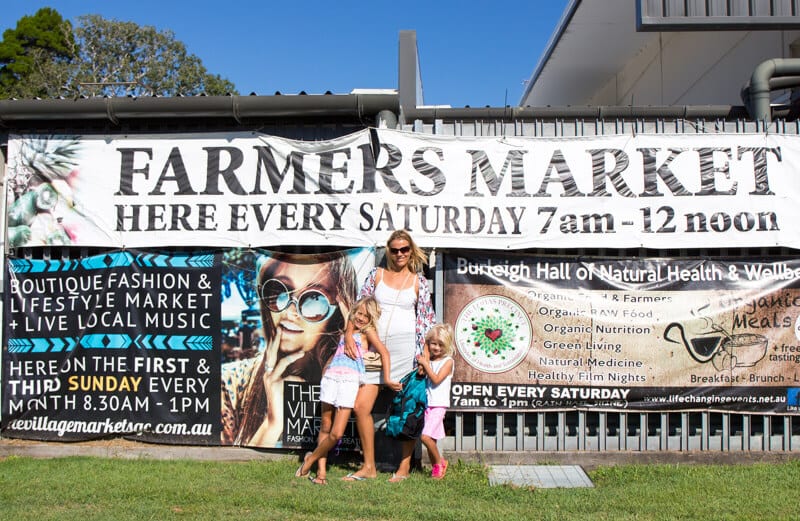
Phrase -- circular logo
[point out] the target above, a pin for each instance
(797, 327)
(493, 333)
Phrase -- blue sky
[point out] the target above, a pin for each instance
(474, 53)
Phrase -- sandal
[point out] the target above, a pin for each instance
(319, 480)
(307, 473)
(354, 477)
(397, 478)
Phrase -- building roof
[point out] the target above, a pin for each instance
(594, 40)
(591, 42)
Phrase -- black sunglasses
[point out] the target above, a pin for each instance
(403, 250)
(312, 305)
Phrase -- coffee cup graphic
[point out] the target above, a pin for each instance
(714, 345)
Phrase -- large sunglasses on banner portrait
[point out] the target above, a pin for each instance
(312, 305)
(493, 333)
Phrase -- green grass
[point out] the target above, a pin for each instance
(82, 488)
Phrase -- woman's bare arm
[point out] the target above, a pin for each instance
(386, 362)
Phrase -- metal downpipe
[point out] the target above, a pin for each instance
(760, 84)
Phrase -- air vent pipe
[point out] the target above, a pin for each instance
(756, 97)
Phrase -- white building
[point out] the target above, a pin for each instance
(663, 53)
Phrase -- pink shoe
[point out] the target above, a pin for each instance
(436, 471)
(442, 468)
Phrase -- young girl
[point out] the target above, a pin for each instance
(340, 382)
(438, 367)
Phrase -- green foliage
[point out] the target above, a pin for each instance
(35, 54)
(93, 488)
(45, 57)
(122, 58)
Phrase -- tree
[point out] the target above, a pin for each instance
(34, 56)
(123, 58)
(45, 57)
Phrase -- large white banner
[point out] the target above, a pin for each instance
(248, 189)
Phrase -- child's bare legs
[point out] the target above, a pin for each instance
(328, 442)
(433, 450)
(404, 469)
(365, 400)
(325, 425)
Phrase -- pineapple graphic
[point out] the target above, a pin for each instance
(38, 188)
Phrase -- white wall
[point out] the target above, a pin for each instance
(694, 68)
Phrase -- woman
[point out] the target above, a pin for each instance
(406, 316)
(303, 301)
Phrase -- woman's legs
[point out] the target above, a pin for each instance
(404, 469)
(365, 400)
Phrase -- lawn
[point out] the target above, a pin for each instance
(84, 488)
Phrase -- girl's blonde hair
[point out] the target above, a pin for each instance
(371, 308)
(416, 259)
(444, 334)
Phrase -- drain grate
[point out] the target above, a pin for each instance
(539, 476)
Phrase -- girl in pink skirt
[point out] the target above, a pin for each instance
(438, 367)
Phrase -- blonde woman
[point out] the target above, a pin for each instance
(403, 294)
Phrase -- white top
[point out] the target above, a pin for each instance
(396, 326)
(439, 395)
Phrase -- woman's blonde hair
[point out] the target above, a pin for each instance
(371, 308)
(416, 259)
(444, 334)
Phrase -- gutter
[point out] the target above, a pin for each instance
(569, 112)
(374, 109)
(118, 109)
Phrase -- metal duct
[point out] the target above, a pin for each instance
(760, 85)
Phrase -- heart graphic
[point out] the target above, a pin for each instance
(493, 334)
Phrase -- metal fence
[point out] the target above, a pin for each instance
(601, 431)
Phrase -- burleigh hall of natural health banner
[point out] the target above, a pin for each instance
(624, 334)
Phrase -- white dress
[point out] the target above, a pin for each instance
(398, 312)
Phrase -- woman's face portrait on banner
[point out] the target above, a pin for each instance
(301, 299)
